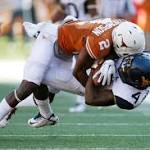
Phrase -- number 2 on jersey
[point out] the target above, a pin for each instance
(104, 44)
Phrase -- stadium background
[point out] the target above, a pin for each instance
(97, 128)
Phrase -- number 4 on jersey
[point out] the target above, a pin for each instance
(136, 96)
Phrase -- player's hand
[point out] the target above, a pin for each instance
(106, 72)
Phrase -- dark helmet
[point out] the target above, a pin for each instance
(135, 70)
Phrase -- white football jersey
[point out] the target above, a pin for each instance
(127, 92)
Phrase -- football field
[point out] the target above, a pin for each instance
(95, 129)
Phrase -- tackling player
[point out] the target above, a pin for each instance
(90, 40)
(97, 39)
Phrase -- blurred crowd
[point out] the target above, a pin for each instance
(14, 12)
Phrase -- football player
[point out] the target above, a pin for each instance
(85, 10)
(129, 88)
(96, 39)
(89, 40)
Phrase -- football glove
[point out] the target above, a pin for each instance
(106, 73)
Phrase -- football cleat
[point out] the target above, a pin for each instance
(5, 120)
(40, 121)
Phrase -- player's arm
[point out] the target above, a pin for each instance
(98, 95)
(59, 14)
(83, 63)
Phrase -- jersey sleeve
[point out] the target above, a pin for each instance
(98, 47)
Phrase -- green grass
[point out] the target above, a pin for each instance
(95, 129)
(17, 49)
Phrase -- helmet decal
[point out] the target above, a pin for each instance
(128, 38)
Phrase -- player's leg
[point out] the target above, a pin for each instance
(12, 99)
(60, 78)
(38, 120)
(45, 115)
(40, 60)
(35, 69)
(9, 103)
(41, 95)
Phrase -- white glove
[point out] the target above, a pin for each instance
(106, 72)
